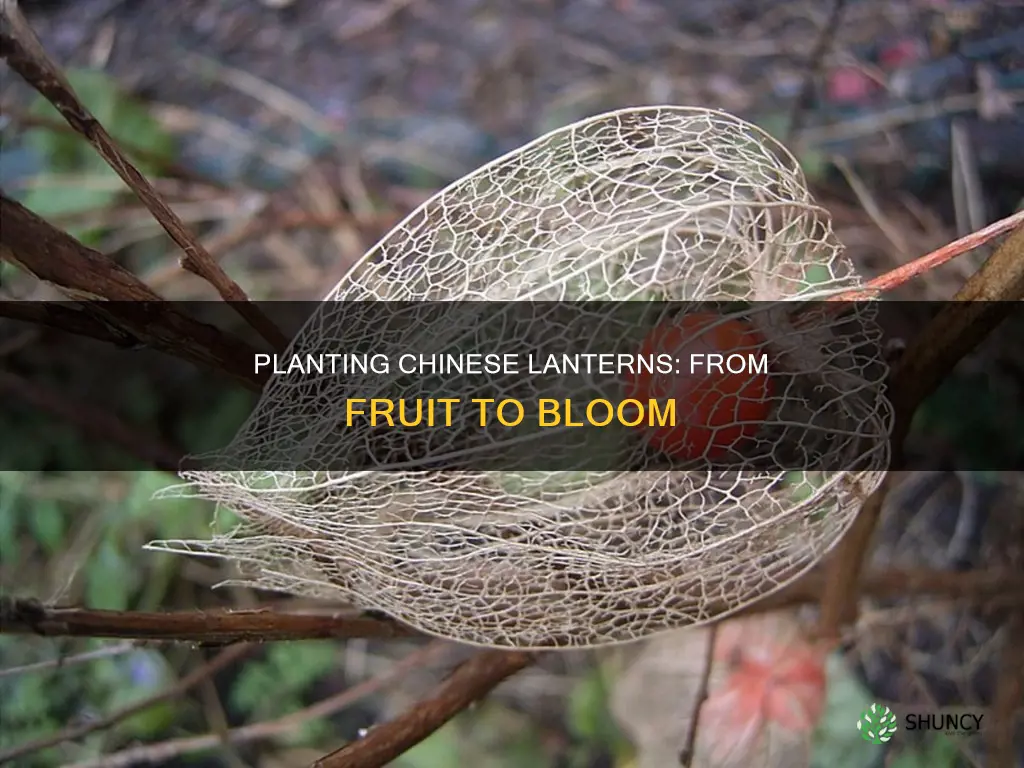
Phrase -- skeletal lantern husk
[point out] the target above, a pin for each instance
(658, 203)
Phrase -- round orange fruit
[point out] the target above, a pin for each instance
(717, 407)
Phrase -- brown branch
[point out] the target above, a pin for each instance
(113, 303)
(229, 626)
(213, 626)
(218, 662)
(839, 597)
(470, 682)
(979, 307)
(164, 752)
(55, 257)
(985, 301)
(26, 56)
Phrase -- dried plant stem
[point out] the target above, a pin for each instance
(114, 305)
(470, 682)
(213, 626)
(229, 626)
(689, 748)
(66, 661)
(930, 261)
(983, 303)
(26, 56)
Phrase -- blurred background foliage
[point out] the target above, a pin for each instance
(95, 186)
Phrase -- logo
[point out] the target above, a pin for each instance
(951, 724)
(877, 724)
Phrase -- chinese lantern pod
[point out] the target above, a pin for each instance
(658, 204)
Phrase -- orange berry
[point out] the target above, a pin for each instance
(715, 409)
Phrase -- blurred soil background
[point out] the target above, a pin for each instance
(292, 134)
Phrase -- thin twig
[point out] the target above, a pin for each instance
(871, 206)
(66, 661)
(218, 662)
(690, 746)
(163, 752)
(875, 123)
(262, 224)
(815, 65)
(930, 261)
(26, 56)
(470, 682)
(374, 18)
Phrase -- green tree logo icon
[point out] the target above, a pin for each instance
(877, 724)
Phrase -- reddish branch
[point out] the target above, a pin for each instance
(930, 261)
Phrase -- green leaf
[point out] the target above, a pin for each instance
(803, 485)
(250, 692)
(587, 708)
(815, 164)
(837, 742)
(288, 670)
(109, 579)
(440, 750)
(65, 199)
(300, 664)
(939, 752)
(817, 274)
(126, 119)
(10, 492)
(65, 153)
(46, 521)
(589, 717)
